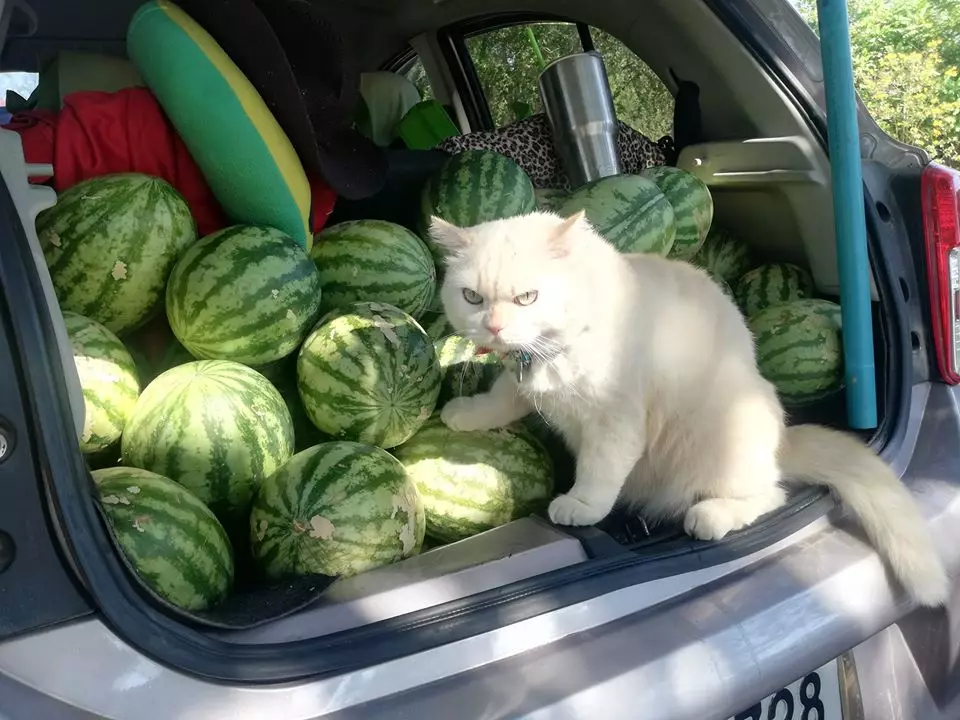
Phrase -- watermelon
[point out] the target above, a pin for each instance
(336, 509)
(724, 255)
(246, 293)
(549, 199)
(108, 377)
(110, 243)
(464, 372)
(368, 373)
(772, 284)
(434, 319)
(800, 349)
(692, 206)
(377, 261)
(475, 481)
(473, 187)
(170, 539)
(216, 427)
(628, 210)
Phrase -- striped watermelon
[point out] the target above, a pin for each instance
(216, 427)
(724, 255)
(368, 373)
(377, 261)
(245, 293)
(110, 243)
(434, 319)
(475, 481)
(692, 206)
(473, 187)
(800, 349)
(549, 199)
(464, 372)
(336, 509)
(772, 284)
(171, 539)
(628, 210)
(108, 377)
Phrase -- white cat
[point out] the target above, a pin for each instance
(649, 372)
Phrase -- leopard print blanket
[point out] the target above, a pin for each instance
(529, 143)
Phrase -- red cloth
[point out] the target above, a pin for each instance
(98, 133)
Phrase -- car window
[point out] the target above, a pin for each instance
(508, 62)
(22, 83)
(413, 70)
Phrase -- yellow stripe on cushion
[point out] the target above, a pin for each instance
(277, 142)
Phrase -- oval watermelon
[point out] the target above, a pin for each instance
(800, 349)
(368, 373)
(772, 284)
(628, 210)
(724, 255)
(170, 539)
(111, 242)
(475, 481)
(216, 427)
(336, 509)
(108, 377)
(245, 293)
(692, 206)
(464, 372)
(374, 260)
(473, 187)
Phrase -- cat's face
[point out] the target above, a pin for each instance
(507, 283)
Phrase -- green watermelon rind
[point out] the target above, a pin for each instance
(471, 482)
(338, 508)
(168, 536)
(108, 379)
(374, 260)
(464, 372)
(692, 206)
(724, 255)
(111, 242)
(629, 211)
(368, 373)
(245, 293)
(800, 349)
(772, 284)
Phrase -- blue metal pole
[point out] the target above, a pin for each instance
(852, 260)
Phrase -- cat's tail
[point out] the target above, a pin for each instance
(882, 504)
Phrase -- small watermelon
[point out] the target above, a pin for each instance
(473, 187)
(772, 284)
(245, 293)
(724, 255)
(464, 371)
(628, 210)
(110, 243)
(475, 481)
(374, 260)
(368, 373)
(336, 509)
(216, 427)
(549, 199)
(800, 349)
(170, 538)
(692, 206)
(108, 377)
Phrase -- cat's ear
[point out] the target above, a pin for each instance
(451, 238)
(564, 234)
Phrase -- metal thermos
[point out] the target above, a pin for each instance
(576, 97)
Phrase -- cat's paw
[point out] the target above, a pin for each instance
(464, 414)
(570, 510)
(710, 520)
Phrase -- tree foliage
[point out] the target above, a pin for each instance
(906, 64)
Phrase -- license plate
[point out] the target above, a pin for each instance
(815, 696)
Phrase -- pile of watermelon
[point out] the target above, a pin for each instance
(260, 406)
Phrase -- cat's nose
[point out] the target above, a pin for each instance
(494, 328)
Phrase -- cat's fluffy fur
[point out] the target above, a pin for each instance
(649, 372)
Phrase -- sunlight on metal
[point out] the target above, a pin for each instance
(853, 264)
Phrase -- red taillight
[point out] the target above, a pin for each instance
(940, 190)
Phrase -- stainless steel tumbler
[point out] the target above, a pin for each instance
(576, 98)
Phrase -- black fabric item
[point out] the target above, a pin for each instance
(248, 606)
(687, 121)
(304, 71)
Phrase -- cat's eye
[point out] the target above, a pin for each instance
(472, 296)
(527, 298)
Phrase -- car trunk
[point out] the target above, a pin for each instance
(764, 160)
